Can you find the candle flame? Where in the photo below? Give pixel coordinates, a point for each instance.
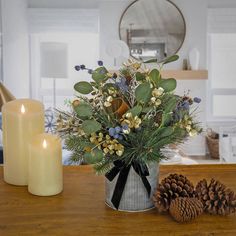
(22, 109)
(44, 143)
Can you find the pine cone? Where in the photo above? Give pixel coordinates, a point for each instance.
(170, 188)
(184, 209)
(216, 198)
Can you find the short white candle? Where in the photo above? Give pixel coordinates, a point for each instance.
(22, 119)
(45, 165)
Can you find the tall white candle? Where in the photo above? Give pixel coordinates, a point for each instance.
(21, 120)
(45, 165)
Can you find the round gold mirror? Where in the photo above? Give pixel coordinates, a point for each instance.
(152, 29)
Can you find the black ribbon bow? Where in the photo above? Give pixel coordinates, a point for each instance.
(123, 170)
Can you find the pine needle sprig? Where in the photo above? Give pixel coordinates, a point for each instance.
(103, 166)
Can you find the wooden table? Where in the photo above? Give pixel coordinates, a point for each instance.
(80, 209)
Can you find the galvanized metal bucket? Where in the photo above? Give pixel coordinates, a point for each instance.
(135, 197)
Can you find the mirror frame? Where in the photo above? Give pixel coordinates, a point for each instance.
(181, 14)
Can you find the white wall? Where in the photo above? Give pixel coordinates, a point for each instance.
(64, 3)
(110, 13)
(221, 3)
(15, 47)
(195, 14)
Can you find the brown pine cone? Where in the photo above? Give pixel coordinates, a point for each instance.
(216, 198)
(184, 209)
(173, 186)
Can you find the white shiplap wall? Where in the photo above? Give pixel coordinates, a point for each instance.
(222, 20)
(63, 20)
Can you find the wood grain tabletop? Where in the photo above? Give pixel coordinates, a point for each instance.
(80, 208)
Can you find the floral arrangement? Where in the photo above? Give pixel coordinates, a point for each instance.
(127, 116)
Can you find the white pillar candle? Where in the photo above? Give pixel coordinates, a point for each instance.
(22, 119)
(45, 165)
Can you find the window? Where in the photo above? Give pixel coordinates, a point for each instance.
(222, 76)
(222, 64)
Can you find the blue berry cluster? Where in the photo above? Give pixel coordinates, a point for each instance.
(100, 63)
(80, 67)
(122, 84)
(197, 100)
(83, 67)
(118, 131)
(183, 107)
(186, 103)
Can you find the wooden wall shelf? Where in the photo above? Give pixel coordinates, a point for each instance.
(186, 74)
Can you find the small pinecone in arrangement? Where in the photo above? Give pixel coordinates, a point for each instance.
(216, 198)
(171, 187)
(184, 209)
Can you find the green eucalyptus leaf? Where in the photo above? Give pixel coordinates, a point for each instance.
(94, 156)
(98, 78)
(143, 92)
(140, 76)
(135, 111)
(91, 126)
(168, 84)
(171, 104)
(102, 70)
(151, 61)
(83, 87)
(170, 59)
(155, 76)
(166, 118)
(167, 60)
(83, 110)
(100, 74)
